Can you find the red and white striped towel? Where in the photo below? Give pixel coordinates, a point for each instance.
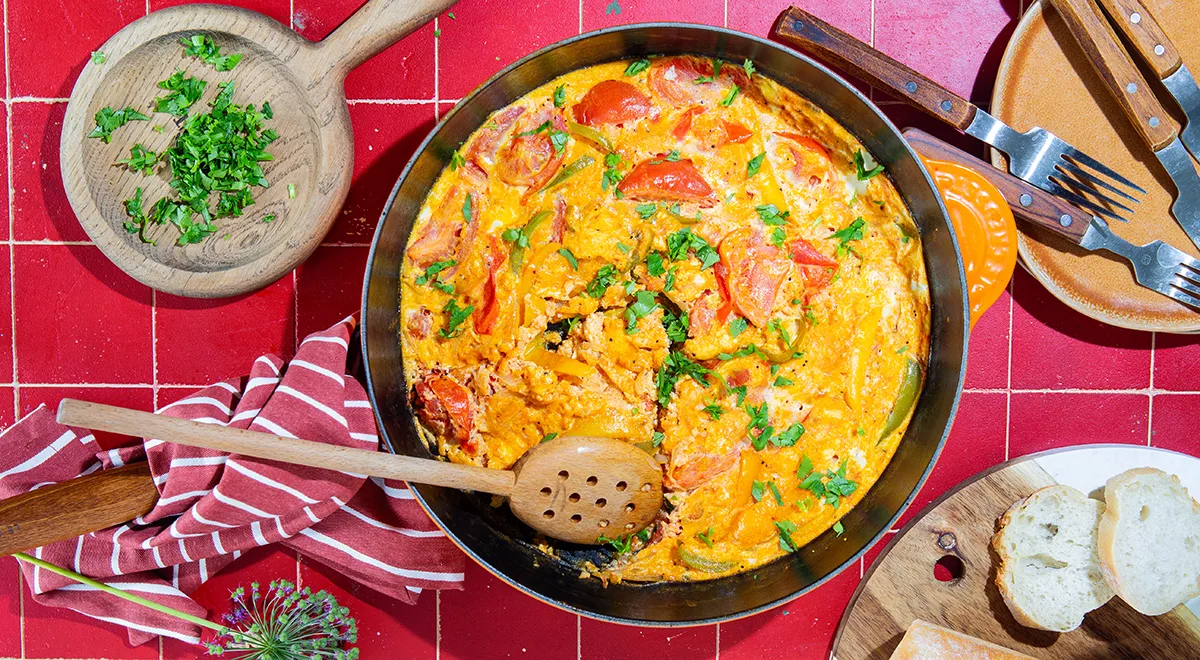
(214, 506)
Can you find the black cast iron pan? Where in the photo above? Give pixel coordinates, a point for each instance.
(491, 535)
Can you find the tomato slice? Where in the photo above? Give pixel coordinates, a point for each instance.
(612, 102)
(983, 224)
(482, 150)
(734, 133)
(685, 122)
(662, 179)
(445, 406)
(807, 254)
(756, 271)
(530, 159)
(674, 80)
(447, 233)
(558, 226)
(698, 469)
(813, 164)
(487, 310)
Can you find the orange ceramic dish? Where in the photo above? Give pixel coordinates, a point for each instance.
(986, 231)
(684, 255)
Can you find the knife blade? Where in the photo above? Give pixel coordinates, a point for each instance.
(1156, 265)
(1139, 26)
(1104, 51)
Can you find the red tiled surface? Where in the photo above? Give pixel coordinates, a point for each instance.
(83, 329)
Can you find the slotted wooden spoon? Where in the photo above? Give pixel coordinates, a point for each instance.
(572, 488)
(302, 80)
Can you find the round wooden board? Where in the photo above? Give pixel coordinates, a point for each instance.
(1044, 80)
(900, 586)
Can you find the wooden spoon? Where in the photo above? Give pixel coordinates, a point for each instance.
(314, 155)
(572, 488)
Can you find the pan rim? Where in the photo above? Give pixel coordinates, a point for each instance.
(959, 377)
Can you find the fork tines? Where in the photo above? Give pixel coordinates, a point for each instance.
(1185, 286)
(1083, 187)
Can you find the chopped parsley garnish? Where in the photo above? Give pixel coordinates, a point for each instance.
(142, 159)
(861, 168)
(706, 537)
(109, 120)
(790, 436)
(558, 139)
(771, 215)
(748, 66)
(655, 265)
(432, 276)
(456, 160)
(605, 277)
(291, 188)
(98, 57)
(853, 232)
(680, 242)
(647, 210)
(777, 326)
(548, 437)
(748, 349)
(673, 157)
(759, 442)
(737, 326)
(700, 80)
(184, 92)
(613, 174)
(786, 528)
(758, 416)
(713, 409)
(778, 236)
(622, 544)
(637, 67)
(902, 349)
(775, 492)
(830, 486)
(676, 366)
(137, 216)
(755, 164)
(838, 528)
(676, 327)
(783, 382)
(640, 309)
(455, 319)
(730, 96)
(757, 490)
(560, 96)
(566, 254)
(202, 47)
(670, 281)
(739, 391)
(657, 438)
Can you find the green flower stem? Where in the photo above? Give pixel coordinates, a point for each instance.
(119, 593)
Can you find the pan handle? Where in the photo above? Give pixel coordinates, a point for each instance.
(68, 509)
(375, 26)
(807, 32)
(1028, 203)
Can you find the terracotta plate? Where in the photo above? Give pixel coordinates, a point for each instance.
(1044, 80)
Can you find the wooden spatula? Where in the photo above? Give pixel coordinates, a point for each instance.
(574, 488)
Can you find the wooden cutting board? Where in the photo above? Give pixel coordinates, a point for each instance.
(901, 585)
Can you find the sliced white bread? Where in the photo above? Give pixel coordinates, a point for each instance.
(1150, 540)
(1050, 573)
(925, 641)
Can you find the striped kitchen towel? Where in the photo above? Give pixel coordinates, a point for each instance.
(214, 506)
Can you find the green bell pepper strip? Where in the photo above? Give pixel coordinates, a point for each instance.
(517, 259)
(591, 135)
(910, 387)
(701, 563)
(569, 171)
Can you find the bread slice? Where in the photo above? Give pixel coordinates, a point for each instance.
(1150, 540)
(925, 641)
(1050, 573)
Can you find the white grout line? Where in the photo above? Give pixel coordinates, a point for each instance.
(726, 24)
(718, 654)
(1150, 410)
(154, 347)
(872, 39)
(437, 633)
(1012, 295)
(579, 628)
(1145, 391)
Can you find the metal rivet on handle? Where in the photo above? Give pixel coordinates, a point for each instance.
(1131, 88)
(1153, 122)
(1135, 18)
(1159, 50)
(1026, 199)
(946, 106)
(1065, 220)
(910, 86)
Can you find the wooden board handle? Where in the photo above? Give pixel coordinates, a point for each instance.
(1108, 57)
(71, 508)
(288, 450)
(1028, 203)
(807, 32)
(1136, 22)
(375, 26)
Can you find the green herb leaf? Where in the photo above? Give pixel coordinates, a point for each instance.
(623, 248)
(560, 96)
(640, 309)
(853, 232)
(456, 316)
(657, 438)
(456, 160)
(775, 492)
(748, 67)
(838, 528)
(730, 96)
(676, 327)
(675, 366)
(98, 57)
(637, 67)
(566, 254)
(673, 157)
(783, 382)
(202, 47)
(622, 544)
(757, 490)
(737, 325)
(785, 529)
(142, 159)
(778, 236)
(771, 215)
(714, 410)
(681, 242)
(706, 537)
(646, 210)
(669, 283)
(184, 92)
(109, 120)
(605, 277)
(864, 173)
(755, 164)
(790, 436)
(291, 188)
(432, 276)
(655, 264)
(548, 437)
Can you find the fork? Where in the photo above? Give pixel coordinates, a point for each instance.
(1156, 265)
(1036, 156)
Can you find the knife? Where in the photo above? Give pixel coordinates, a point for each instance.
(1135, 21)
(1106, 54)
(1037, 155)
(1156, 265)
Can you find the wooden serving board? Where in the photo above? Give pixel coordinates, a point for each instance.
(901, 585)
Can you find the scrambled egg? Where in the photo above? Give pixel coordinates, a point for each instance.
(683, 254)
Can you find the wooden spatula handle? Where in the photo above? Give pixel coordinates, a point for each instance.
(1136, 22)
(1028, 203)
(71, 508)
(807, 32)
(1106, 54)
(375, 26)
(288, 450)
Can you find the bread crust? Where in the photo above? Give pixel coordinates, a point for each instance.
(926, 641)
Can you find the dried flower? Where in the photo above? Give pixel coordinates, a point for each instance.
(284, 623)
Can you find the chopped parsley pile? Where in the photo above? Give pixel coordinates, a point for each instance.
(215, 160)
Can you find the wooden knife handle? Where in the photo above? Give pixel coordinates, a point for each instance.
(1136, 22)
(1028, 203)
(1108, 57)
(72, 508)
(807, 32)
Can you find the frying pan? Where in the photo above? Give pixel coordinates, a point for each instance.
(491, 535)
